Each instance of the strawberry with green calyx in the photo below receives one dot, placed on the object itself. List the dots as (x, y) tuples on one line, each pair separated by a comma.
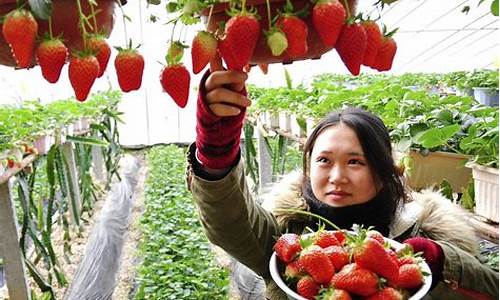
[(373, 42), (19, 30), (295, 30), (51, 55), (325, 238), (387, 51), (276, 41), (203, 49), (97, 43), (83, 71), (338, 256), (307, 287), (129, 66), (317, 264), (410, 276), (293, 271), (407, 256), (241, 34), (328, 19), (333, 294), (174, 77), (288, 247), (351, 45), (368, 253), (375, 235), (356, 280), (387, 293)]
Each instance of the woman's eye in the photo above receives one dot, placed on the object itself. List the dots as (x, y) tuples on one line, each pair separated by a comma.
[(355, 162), (321, 160)]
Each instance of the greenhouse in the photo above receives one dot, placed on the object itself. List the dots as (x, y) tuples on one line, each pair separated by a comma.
[(249, 149)]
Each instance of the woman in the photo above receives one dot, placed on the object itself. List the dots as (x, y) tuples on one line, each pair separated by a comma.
[(349, 177)]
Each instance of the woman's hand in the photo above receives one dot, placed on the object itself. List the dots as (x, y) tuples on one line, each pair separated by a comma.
[(225, 90)]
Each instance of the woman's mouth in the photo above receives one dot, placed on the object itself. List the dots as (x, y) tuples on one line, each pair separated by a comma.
[(337, 195)]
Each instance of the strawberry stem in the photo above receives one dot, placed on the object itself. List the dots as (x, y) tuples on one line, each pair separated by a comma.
[(310, 214), (82, 24), (124, 24), (210, 13), (50, 28), (243, 7), (269, 13), (348, 11), (93, 16)]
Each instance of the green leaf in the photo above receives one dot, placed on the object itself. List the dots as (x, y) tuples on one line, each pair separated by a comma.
[(42, 9), (494, 8), (87, 141)]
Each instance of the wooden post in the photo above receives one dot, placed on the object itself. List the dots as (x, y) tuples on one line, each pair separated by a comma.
[(9, 247), (265, 162), (70, 157), (98, 164)]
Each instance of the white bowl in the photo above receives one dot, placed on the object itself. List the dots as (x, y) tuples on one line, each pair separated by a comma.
[(275, 274)]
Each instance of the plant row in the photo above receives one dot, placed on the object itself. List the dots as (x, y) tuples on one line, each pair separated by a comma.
[(416, 119), (177, 259)]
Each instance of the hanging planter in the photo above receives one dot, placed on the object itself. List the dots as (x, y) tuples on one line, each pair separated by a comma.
[(262, 53), (485, 191), (65, 22)]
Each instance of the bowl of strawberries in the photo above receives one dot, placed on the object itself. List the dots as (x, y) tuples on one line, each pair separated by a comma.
[(358, 264)]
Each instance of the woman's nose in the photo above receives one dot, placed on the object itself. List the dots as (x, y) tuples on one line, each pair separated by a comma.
[(337, 175)]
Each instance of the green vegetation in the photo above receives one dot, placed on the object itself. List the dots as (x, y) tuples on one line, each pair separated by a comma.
[(178, 262)]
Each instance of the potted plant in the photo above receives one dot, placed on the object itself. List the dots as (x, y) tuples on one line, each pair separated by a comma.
[(65, 21), (484, 83), (482, 144)]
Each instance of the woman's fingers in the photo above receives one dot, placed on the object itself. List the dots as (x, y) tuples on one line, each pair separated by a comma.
[(223, 95), (219, 78), (224, 110)]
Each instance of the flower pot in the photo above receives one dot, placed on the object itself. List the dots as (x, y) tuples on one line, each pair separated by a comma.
[(465, 92), (486, 96), (425, 171), (284, 121), (43, 144), (64, 22), (262, 54), (485, 191)]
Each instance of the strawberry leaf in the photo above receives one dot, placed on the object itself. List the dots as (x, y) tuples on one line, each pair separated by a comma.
[(42, 9)]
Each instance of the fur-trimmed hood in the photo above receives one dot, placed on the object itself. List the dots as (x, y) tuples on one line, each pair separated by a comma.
[(438, 218)]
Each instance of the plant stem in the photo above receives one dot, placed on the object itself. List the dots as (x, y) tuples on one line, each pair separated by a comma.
[(92, 11), (124, 23), (348, 11), (269, 12), (210, 13), (243, 6), (50, 28), (303, 212), (82, 23)]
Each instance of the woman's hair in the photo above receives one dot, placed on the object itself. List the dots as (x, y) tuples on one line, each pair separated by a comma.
[(375, 141)]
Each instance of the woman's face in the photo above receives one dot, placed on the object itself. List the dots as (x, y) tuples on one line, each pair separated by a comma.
[(339, 170)]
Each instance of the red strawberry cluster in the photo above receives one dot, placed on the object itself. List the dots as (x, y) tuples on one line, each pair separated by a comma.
[(341, 265), (20, 31)]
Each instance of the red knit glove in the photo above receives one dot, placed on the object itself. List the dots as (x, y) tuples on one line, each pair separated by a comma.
[(433, 254), (217, 138)]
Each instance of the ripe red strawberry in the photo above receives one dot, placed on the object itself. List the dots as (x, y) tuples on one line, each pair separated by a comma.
[(328, 18), (296, 34), (340, 236), (83, 71), (129, 66), (335, 294), (374, 41), (410, 277), (102, 51), (203, 49), (351, 46), (307, 287), (10, 163), (241, 34), (51, 55), (356, 280), (226, 54), (371, 255), (175, 81), (317, 264), (325, 239), (294, 270), (376, 235), (338, 256), (19, 30), (386, 293), (287, 247), (385, 55)]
